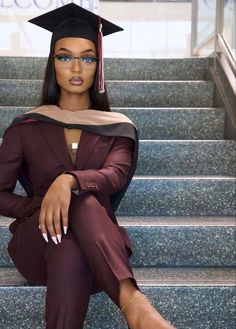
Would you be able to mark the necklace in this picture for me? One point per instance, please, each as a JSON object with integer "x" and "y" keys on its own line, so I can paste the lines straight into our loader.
{"x": 73, "y": 146}
{"x": 72, "y": 137}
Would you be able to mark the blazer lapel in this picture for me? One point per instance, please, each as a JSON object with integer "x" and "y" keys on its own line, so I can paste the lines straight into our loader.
{"x": 86, "y": 145}
{"x": 54, "y": 136}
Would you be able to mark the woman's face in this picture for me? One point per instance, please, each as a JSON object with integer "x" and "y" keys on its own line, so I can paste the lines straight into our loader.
{"x": 75, "y": 75}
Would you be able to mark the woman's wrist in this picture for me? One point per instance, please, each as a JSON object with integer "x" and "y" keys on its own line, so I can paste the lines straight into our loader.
{"x": 70, "y": 180}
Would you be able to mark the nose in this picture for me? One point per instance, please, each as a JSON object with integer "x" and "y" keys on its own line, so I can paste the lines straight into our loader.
{"x": 76, "y": 65}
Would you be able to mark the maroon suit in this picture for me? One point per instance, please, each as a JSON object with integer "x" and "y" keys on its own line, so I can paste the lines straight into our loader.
{"x": 93, "y": 255}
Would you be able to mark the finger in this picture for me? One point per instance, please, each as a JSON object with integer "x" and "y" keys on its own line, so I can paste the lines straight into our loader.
{"x": 50, "y": 226}
{"x": 57, "y": 223}
{"x": 64, "y": 213}
{"x": 42, "y": 225}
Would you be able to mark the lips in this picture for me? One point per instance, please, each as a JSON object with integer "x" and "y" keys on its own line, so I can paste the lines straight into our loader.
{"x": 76, "y": 81}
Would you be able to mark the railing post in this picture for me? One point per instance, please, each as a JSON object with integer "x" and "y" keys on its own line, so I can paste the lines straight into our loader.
{"x": 219, "y": 23}
{"x": 194, "y": 25}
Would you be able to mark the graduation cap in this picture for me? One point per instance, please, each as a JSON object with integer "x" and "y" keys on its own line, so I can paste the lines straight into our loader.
{"x": 74, "y": 21}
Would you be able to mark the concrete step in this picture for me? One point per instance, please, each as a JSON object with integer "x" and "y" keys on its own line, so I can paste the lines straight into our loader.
{"x": 168, "y": 242}
{"x": 121, "y": 93}
{"x": 115, "y": 68}
{"x": 179, "y": 196}
{"x": 176, "y": 196}
{"x": 177, "y": 123}
{"x": 189, "y": 298}
{"x": 156, "y": 123}
{"x": 186, "y": 158}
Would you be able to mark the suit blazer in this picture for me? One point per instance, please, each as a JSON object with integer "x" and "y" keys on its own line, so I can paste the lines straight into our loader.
{"x": 38, "y": 150}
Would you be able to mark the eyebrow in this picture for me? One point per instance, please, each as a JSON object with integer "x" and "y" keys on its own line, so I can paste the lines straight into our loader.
{"x": 82, "y": 52}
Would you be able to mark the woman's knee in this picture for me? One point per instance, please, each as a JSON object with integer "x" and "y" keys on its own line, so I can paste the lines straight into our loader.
{"x": 86, "y": 201}
{"x": 85, "y": 210}
{"x": 90, "y": 222}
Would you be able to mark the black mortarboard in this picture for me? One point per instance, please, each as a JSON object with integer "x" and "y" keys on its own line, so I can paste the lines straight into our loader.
{"x": 74, "y": 21}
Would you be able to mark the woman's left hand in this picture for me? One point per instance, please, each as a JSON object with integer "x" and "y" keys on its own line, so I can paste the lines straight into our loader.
{"x": 55, "y": 206}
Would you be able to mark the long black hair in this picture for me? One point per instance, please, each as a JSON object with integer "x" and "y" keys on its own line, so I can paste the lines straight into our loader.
{"x": 51, "y": 89}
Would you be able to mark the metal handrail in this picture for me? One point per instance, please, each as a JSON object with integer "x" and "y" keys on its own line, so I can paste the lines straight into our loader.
{"x": 225, "y": 48}
{"x": 226, "y": 60}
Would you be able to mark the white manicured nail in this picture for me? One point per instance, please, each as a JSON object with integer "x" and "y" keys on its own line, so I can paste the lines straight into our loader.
{"x": 45, "y": 237}
{"x": 65, "y": 229}
{"x": 59, "y": 237}
{"x": 54, "y": 239}
{"x": 39, "y": 227}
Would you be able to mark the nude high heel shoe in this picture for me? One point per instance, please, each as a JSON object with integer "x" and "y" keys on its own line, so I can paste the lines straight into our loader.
{"x": 167, "y": 325}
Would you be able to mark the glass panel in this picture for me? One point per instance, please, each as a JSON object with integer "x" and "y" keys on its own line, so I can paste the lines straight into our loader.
{"x": 229, "y": 24}
{"x": 206, "y": 19}
{"x": 151, "y": 29}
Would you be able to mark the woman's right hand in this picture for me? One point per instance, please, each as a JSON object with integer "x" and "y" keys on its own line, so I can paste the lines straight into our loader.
{"x": 55, "y": 207}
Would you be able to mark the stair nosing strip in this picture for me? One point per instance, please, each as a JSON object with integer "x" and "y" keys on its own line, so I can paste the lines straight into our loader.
{"x": 163, "y": 225}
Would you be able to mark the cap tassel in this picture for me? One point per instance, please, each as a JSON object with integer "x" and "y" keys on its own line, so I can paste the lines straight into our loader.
{"x": 101, "y": 82}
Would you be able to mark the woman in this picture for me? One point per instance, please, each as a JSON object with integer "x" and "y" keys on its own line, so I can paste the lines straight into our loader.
{"x": 75, "y": 159}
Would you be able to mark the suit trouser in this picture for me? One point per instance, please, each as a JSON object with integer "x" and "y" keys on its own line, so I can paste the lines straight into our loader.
{"x": 91, "y": 254}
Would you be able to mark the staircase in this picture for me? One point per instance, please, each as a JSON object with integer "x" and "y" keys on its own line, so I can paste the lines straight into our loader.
{"x": 178, "y": 209}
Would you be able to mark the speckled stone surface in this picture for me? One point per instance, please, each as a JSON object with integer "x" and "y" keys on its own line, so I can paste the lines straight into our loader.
{"x": 185, "y": 307}
{"x": 155, "y": 283}
{"x": 176, "y": 196}
{"x": 161, "y": 94}
{"x": 121, "y": 93}
{"x": 157, "y": 123}
{"x": 115, "y": 69}
{"x": 187, "y": 158}
{"x": 182, "y": 246}
{"x": 151, "y": 196}
{"x": 177, "y": 123}
{"x": 171, "y": 245}
{"x": 187, "y": 292}
{"x": 8, "y": 114}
